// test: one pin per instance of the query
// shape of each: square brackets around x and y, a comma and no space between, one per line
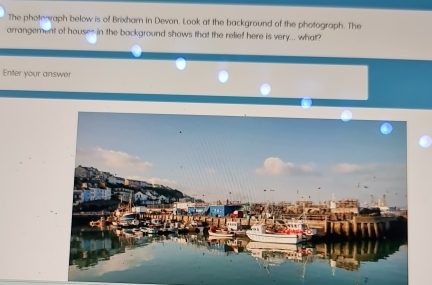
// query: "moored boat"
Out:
[259,233]
[213,232]
[236,228]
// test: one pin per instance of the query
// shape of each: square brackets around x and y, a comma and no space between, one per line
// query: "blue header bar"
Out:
[404,84]
[359,4]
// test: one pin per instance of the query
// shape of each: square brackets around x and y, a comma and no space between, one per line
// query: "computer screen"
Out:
[215,142]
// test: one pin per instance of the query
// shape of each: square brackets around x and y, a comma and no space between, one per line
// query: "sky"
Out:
[237,158]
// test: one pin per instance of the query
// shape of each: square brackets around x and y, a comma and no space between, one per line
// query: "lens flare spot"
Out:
[136,51]
[91,37]
[306,103]
[180,63]
[2,11]
[223,76]
[265,89]
[386,128]
[45,24]
[346,116]
[425,141]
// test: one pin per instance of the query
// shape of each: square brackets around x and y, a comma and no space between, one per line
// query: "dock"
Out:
[358,227]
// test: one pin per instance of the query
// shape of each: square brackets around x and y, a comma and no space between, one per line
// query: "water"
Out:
[102,256]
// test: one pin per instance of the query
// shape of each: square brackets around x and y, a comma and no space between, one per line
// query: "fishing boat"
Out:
[236,228]
[128,219]
[260,233]
[215,233]
[125,216]
[291,231]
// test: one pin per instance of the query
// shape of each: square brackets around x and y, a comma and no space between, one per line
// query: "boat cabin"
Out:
[293,224]
[258,229]
[234,226]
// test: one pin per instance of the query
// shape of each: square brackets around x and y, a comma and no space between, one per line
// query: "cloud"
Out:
[275,166]
[113,161]
[119,262]
[347,168]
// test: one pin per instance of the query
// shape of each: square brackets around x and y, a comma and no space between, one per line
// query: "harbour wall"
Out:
[358,227]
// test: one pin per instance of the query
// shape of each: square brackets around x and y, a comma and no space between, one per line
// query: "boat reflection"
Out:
[90,247]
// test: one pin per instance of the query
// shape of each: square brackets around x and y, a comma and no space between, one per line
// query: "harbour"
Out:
[289,205]
[338,220]
[102,255]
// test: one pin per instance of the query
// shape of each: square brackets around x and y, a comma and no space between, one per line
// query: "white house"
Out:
[151,194]
[100,194]
[104,175]
[187,200]
[134,183]
[125,194]
[117,180]
[106,194]
[77,197]
[140,196]
[163,199]
[145,184]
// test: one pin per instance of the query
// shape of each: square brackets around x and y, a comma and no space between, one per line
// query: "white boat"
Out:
[220,233]
[272,246]
[259,233]
[144,230]
[236,228]
[128,219]
[288,251]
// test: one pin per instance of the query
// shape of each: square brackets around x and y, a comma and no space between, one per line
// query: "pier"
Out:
[358,227]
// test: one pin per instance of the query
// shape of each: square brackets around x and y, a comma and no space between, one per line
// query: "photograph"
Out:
[196,199]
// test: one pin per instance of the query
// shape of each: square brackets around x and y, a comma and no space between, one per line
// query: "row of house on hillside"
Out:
[91,194]
[141,197]
[94,174]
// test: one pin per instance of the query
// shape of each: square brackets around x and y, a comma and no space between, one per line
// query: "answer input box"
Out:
[135,76]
